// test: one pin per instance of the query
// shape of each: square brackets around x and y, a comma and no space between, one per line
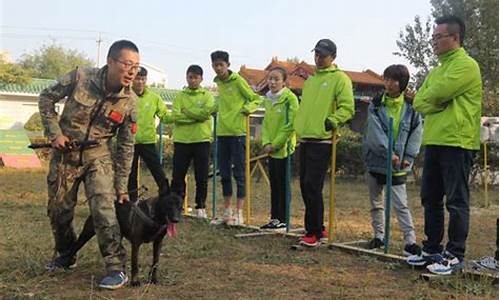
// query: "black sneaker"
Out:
[375,244]
[61,262]
[412,249]
[273,225]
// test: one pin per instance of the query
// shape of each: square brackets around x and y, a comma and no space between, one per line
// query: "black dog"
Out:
[140,222]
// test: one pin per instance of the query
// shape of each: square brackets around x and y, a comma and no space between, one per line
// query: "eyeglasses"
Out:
[439,36]
[129,66]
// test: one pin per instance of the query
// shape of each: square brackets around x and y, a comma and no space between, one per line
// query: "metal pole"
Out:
[388,188]
[485,174]
[160,145]
[99,41]
[247,170]
[288,175]
[333,167]
[185,202]
[214,172]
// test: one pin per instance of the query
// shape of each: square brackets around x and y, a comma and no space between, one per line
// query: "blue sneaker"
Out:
[447,265]
[114,280]
[422,259]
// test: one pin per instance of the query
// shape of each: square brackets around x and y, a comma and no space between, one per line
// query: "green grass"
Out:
[209,263]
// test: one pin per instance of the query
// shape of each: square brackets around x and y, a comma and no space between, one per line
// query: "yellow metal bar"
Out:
[185,203]
[247,170]
[138,173]
[485,175]
[332,185]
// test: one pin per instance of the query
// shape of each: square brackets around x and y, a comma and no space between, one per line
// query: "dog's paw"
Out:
[153,281]
[135,283]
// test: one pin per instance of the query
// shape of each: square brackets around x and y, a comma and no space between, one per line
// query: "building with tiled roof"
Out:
[366,84]
[18,102]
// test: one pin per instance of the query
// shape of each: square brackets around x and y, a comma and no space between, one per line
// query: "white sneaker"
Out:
[201,213]
[447,265]
[227,218]
[238,219]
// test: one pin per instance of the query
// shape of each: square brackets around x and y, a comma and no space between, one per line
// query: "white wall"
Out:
[15,111]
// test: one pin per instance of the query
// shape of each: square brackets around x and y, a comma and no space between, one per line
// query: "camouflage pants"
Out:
[98,177]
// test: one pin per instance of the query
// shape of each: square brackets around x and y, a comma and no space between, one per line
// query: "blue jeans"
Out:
[231,159]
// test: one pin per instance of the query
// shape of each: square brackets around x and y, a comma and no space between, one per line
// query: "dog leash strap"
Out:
[143,216]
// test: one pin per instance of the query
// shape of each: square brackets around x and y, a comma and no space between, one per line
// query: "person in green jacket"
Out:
[278,140]
[235,103]
[450,100]
[327,102]
[191,114]
[149,106]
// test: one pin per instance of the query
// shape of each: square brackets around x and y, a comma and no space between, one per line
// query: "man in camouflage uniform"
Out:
[100,104]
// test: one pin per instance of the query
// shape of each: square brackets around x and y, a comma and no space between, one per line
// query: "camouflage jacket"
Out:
[92,113]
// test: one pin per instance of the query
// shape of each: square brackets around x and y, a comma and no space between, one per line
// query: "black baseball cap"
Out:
[326,47]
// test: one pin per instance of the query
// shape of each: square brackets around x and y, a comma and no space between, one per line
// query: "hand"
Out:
[409,95]
[328,125]
[60,142]
[395,160]
[123,198]
[268,149]
[405,164]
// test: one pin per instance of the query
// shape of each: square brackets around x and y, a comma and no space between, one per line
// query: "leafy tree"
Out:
[481,41]
[13,73]
[415,46]
[53,61]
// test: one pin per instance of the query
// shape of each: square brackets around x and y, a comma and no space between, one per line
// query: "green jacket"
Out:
[275,128]
[192,116]
[326,95]
[149,106]
[450,100]
[236,99]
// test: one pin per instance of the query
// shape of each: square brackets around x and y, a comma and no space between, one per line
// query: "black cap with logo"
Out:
[326,47]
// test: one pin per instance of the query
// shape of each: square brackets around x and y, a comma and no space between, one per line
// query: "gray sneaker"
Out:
[487,262]
[114,280]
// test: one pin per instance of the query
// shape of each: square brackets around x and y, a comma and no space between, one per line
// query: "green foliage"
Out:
[13,73]
[481,41]
[415,46]
[34,123]
[349,154]
[53,61]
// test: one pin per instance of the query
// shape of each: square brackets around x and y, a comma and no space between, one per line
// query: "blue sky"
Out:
[175,34]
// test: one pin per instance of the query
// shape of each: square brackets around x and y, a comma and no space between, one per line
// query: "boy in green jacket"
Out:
[279,141]
[327,102]
[236,102]
[149,106]
[450,100]
[192,134]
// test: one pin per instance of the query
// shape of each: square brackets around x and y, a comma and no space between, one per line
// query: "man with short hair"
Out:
[327,102]
[149,106]
[450,100]
[100,105]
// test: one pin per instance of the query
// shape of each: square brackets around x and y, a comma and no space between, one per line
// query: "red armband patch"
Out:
[115,116]
[133,128]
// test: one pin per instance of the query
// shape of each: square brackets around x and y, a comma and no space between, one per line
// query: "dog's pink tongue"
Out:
[172,229]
